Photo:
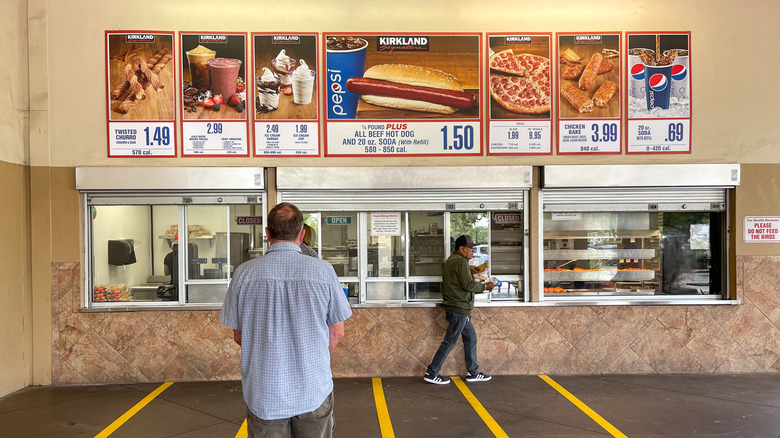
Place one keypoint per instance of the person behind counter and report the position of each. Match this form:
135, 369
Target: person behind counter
306, 248
287, 312
458, 301
171, 267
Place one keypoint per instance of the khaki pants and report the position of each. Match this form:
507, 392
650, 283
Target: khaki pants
318, 423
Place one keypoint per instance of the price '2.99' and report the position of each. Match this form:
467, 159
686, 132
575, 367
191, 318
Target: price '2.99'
160, 137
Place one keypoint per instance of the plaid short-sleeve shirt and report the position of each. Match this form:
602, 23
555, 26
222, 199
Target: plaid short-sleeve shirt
283, 303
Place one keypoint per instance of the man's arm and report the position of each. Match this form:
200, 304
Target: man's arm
336, 332
237, 336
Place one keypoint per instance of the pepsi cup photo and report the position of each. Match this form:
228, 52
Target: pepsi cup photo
658, 86
345, 58
636, 71
680, 83
659, 75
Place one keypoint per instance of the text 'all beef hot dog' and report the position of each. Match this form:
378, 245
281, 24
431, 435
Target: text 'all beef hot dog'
411, 87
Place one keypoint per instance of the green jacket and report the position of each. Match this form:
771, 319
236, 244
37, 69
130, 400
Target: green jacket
459, 285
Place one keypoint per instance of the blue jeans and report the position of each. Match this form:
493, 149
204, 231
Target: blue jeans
460, 325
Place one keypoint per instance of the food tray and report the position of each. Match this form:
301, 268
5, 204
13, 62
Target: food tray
599, 275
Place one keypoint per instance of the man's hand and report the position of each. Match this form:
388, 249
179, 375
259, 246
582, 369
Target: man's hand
237, 336
489, 286
336, 332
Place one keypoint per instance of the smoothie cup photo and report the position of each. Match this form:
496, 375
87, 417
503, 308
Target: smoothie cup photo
224, 76
345, 58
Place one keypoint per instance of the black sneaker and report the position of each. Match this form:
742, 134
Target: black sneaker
479, 377
436, 379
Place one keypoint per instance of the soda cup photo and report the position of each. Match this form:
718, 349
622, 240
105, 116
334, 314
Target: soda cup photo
636, 70
658, 85
345, 58
680, 78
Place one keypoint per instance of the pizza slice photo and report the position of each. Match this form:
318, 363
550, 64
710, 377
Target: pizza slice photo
520, 82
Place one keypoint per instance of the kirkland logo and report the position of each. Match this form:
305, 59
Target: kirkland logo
286, 39
587, 39
140, 38
213, 38
402, 44
518, 40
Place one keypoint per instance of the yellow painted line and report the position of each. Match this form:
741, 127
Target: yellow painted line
242, 433
134, 410
483, 413
381, 409
583, 407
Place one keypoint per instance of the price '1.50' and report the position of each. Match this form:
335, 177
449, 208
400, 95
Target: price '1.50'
462, 138
160, 137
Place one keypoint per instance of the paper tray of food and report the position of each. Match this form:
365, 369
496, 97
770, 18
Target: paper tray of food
610, 291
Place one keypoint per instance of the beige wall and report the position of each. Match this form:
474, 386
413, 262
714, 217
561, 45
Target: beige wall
15, 292
61, 124
16, 312
733, 105
14, 112
759, 195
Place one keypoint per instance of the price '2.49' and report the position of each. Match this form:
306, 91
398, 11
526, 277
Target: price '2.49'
160, 137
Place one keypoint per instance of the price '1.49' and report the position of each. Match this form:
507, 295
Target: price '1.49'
160, 137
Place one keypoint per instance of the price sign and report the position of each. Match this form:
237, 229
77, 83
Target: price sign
519, 113
285, 111
520, 137
215, 138
287, 138
139, 75
129, 139
659, 135
659, 94
589, 103
371, 114
411, 138
589, 137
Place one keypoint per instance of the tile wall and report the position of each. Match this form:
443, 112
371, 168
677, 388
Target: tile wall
194, 345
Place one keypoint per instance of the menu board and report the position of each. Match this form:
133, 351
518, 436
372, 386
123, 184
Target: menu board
589, 93
284, 114
658, 93
406, 94
139, 94
520, 84
213, 103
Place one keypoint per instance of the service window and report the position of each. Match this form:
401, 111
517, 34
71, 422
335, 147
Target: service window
152, 251
391, 257
634, 254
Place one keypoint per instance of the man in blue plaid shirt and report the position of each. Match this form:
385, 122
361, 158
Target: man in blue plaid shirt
287, 312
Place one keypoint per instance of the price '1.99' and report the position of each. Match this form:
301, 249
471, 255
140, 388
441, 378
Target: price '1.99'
462, 138
160, 137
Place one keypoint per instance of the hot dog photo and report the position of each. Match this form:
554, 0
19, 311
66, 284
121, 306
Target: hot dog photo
402, 76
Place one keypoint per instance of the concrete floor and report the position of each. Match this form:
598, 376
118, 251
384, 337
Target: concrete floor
634, 405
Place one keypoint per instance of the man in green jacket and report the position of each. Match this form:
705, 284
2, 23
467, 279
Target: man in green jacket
458, 300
